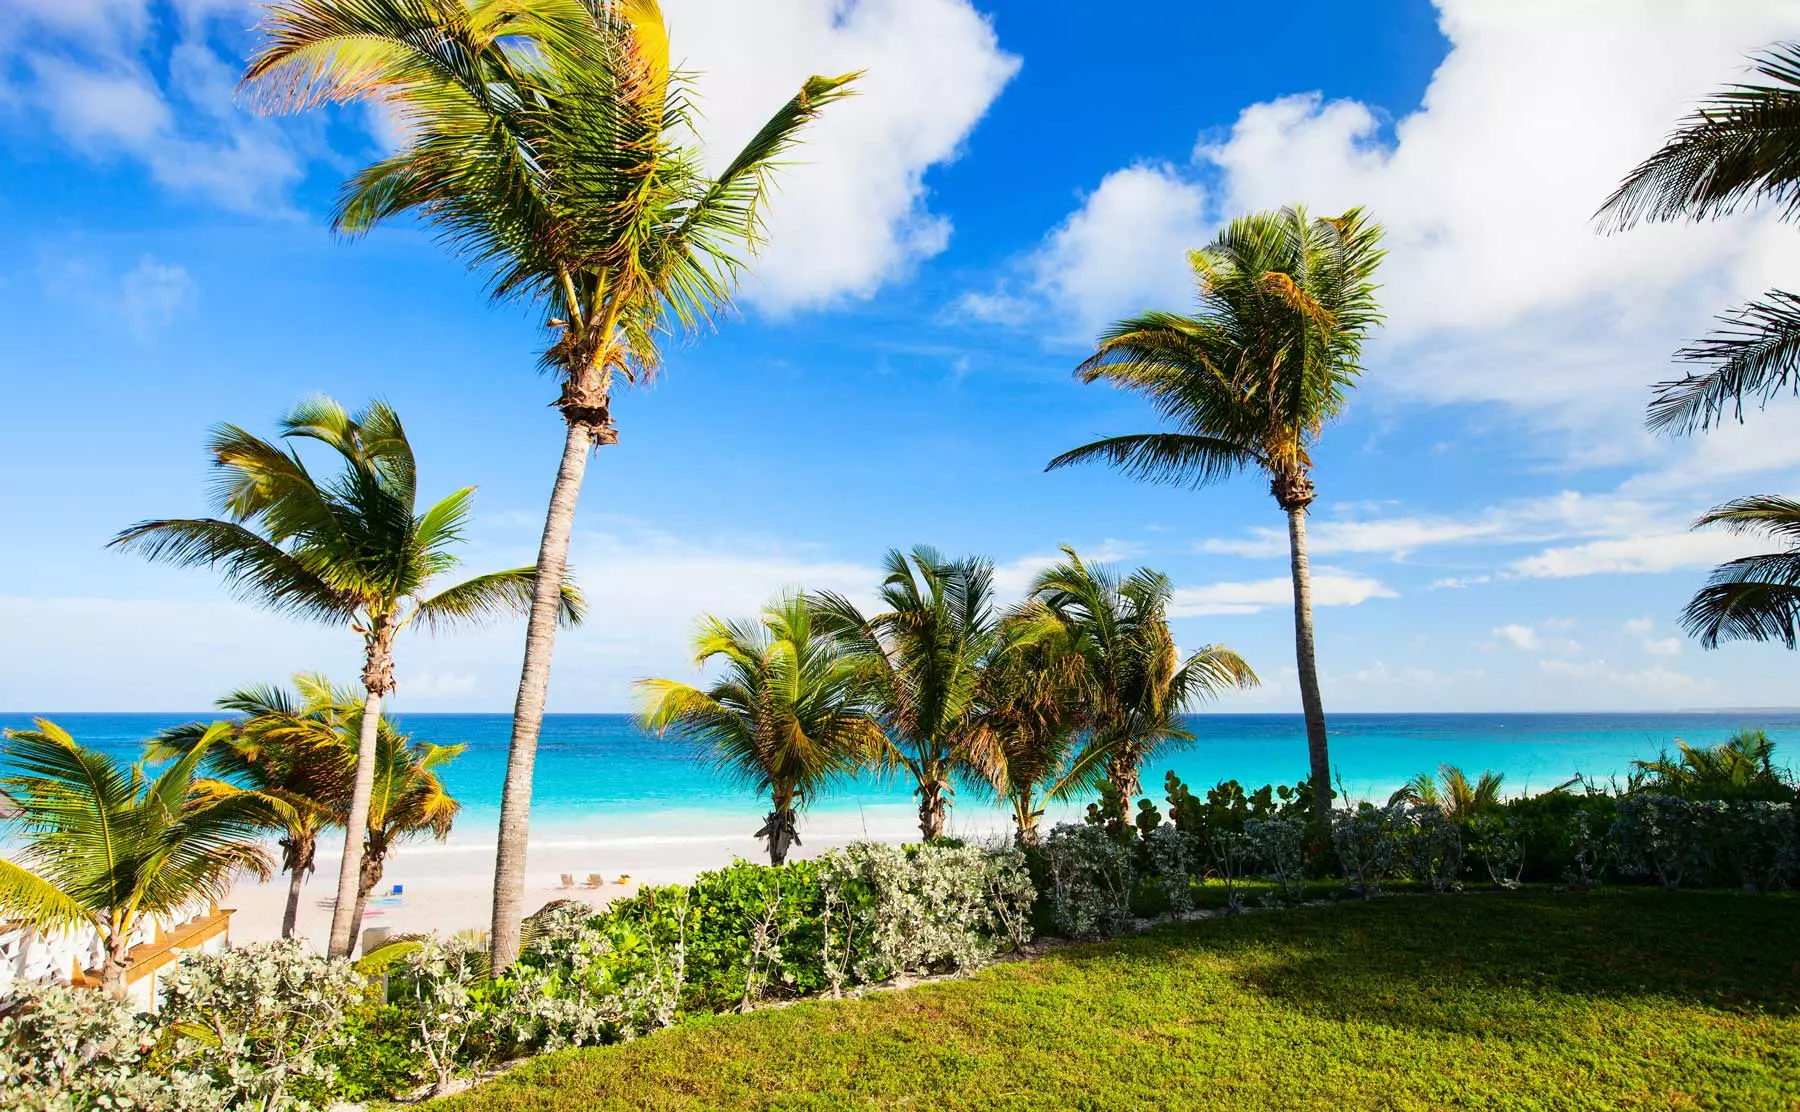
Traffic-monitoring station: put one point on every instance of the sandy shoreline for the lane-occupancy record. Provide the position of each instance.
(448, 887)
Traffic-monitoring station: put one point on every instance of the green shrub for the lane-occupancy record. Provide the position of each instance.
(71, 1050)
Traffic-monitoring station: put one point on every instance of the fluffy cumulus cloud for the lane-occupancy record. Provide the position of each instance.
(852, 211)
(1498, 287)
(1330, 587)
(154, 83)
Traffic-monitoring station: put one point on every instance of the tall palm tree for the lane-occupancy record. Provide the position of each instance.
(787, 716)
(1250, 382)
(1137, 684)
(294, 748)
(409, 802)
(102, 845)
(351, 551)
(553, 148)
(1738, 149)
(922, 658)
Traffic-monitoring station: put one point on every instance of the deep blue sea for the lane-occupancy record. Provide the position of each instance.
(600, 772)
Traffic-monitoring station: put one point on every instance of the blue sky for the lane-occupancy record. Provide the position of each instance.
(1494, 529)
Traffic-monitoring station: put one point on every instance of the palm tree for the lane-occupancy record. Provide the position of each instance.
(409, 802)
(1250, 382)
(1032, 711)
(923, 658)
(1743, 768)
(787, 716)
(295, 749)
(1753, 598)
(553, 148)
(103, 845)
(1738, 149)
(352, 551)
(1452, 791)
(1137, 685)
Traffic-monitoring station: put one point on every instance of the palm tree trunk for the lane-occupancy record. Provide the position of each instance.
(112, 971)
(367, 879)
(346, 915)
(534, 684)
(1308, 668)
(291, 915)
(1124, 773)
(931, 808)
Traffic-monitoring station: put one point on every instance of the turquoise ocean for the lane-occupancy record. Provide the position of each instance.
(598, 774)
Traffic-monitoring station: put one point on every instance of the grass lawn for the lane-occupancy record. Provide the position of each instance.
(1528, 1000)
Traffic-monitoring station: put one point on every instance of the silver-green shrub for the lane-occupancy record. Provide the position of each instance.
(933, 906)
(256, 1020)
(1090, 880)
(1278, 849)
(1174, 857)
(1496, 843)
(441, 976)
(73, 1050)
(1432, 847)
(1663, 836)
(1367, 840)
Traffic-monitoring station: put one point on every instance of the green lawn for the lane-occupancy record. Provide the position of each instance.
(1621, 999)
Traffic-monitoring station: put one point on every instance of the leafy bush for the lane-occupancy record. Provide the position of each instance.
(377, 1059)
(1494, 841)
(1174, 860)
(1690, 842)
(1431, 846)
(932, 906)
(70, 1050)
(1277, 846)
(1367, 841)
(259, 1020)
(1090, 880)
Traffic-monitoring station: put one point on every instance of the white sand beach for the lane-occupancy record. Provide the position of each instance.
(448, 887)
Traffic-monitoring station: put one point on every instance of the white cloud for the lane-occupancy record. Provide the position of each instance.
(94, 74)
(852, 210)
(1658, 682)
(1497, 286)
(1665, 646)
(1330, 587)
(1637, 627)
(1647, 553)
(1519, 636)
(153, 294)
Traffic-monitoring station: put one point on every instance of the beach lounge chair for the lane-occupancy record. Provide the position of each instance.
(594, 880)
(624, 878)
(568, 881)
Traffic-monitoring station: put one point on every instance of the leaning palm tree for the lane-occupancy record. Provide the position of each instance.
(296, 749)
(1738, 149)
(351, 551)
(1137, 685)
(102, 845)
(787, 716)
(553, 148)
(1250, 382)
(922, 657)
(409, 802)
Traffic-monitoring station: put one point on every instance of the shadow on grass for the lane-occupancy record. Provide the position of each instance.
(1495, 964)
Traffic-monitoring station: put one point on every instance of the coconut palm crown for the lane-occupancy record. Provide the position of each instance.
(104, 845)
(1135, 684)
(295, 748)
(922, 657)
(554, 149)
(350, 551)
(1249, 382)
(786, 716)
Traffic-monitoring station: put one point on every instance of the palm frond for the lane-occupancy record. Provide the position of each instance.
(1754, 354)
